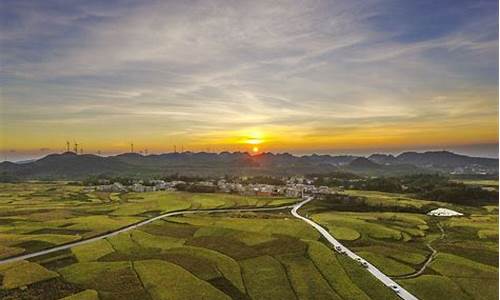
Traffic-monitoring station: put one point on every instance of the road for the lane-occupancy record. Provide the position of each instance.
(386, 280)
(401, 292)
(132, 227)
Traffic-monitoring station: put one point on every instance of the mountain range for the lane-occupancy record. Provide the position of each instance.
(71, 166)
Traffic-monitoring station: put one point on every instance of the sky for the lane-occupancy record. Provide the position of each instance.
(282, 76)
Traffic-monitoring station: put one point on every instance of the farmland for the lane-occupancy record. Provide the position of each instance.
(238, 255)
(465, 265)
(35, 216)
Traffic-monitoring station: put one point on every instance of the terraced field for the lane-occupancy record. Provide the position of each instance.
(240, 256)
(35, 216)
(245, 255)
(466, 264)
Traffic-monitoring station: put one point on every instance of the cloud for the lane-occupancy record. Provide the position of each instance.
(306, 68)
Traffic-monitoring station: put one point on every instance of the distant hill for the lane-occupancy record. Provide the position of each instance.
(383, 159)
(71, 166)
(445, 159)
(363, 163)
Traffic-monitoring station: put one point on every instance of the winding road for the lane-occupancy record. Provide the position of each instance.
(386, 280)
(401, 292)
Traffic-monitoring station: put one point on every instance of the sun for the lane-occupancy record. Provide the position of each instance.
(255, 149)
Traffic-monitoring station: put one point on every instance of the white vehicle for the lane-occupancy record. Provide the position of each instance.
(395, 288)
(358, 258)
(364, 264)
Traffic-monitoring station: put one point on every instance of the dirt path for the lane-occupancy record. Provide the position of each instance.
(429, 259)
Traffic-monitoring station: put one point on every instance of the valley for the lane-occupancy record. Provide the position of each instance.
(237, 254)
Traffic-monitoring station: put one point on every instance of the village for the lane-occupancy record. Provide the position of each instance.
(292, 187)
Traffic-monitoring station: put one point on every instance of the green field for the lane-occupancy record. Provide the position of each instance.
(396, 242)
(241, 257)
(247, 255)
(37, 215)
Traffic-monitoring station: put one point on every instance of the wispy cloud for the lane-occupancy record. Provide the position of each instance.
(301, 68)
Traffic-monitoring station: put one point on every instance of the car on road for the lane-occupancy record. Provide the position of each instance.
(338, 248)
(395, 288)
(365, 264)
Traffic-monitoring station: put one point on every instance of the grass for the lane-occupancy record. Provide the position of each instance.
(249, 238)
(266, 278)
(344, 233)
(112, 280)
(165, 280)
(282, 225)
(456, 277)
(23, 273)
(387, 265)
(101, 223)
(85, 295)
(453, 265)
(264, 255)
(10, 251)
(199, 266)
(307, 282)
(361, 222)
(172, 229)
(365, 281)
(433, 287)
(147, 240)
(227, 266)
(56, 213)
(409, 255)
(397, 242)
(381, 199)
(92, 251)
(332, 270)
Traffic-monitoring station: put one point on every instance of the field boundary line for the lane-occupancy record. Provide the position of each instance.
(428, 261)
(384, 279)
(134, 226)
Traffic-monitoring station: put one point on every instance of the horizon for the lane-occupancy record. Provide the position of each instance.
(340, 77)
(249, 152)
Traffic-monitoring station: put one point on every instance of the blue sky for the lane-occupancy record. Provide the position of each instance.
(306, 76)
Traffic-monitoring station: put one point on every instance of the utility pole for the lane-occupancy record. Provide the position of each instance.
(67, 146)
(131, 147)
(175, 149)
(75, 149)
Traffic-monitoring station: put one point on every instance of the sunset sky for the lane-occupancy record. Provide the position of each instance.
(302, 77)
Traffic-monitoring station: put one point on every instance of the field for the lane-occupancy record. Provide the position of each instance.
(246, 255)
(209, 257)
(466, 263)
(36, 215)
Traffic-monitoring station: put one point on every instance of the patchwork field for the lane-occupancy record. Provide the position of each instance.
(399, 244)
(247, 255)
(240, 256)
(35, 216)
